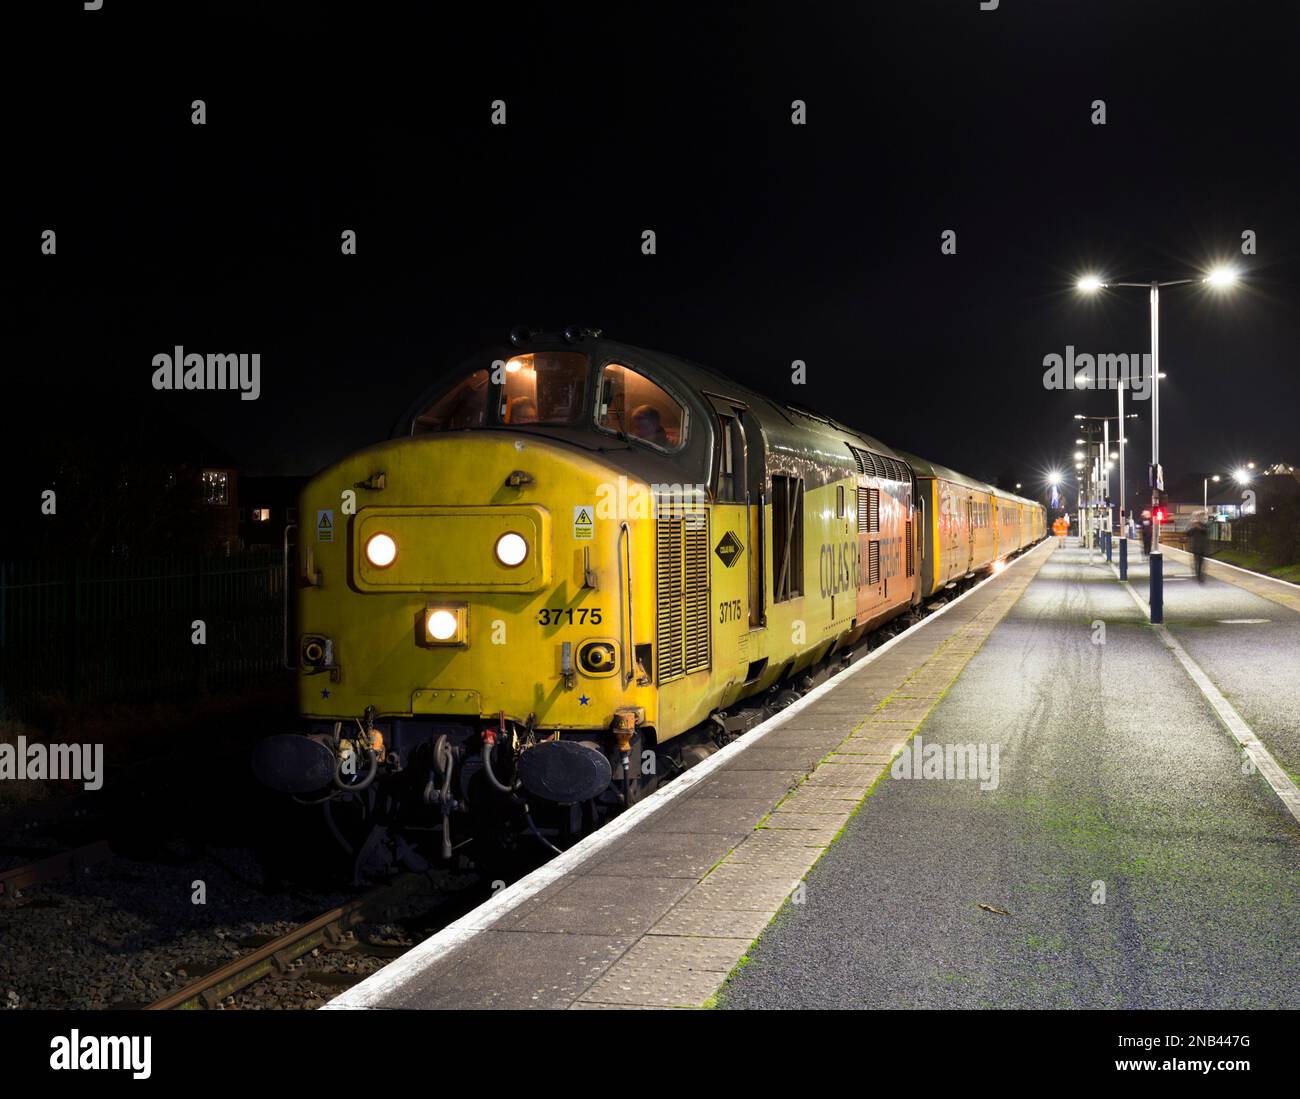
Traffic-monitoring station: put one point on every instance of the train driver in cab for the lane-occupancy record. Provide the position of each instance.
(648, 425)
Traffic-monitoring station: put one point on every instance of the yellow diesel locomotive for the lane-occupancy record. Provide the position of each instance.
(579, 567)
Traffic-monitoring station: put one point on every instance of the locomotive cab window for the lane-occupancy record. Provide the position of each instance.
(463, 406)
(547, 387)
(543, 387)
(633, 406)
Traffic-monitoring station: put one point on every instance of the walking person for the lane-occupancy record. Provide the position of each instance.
(1146, 532)
(1198, 538)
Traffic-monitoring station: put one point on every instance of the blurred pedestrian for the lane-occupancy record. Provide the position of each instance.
(1146, 532)
(1198, 538)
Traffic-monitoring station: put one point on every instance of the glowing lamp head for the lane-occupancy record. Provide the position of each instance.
(381, 550)
(1089, 284)
(1222, 276)
(511, 549)
(441, 624)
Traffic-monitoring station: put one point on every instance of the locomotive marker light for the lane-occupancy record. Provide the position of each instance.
(1220, 277)
(511, 549)
(381, 550)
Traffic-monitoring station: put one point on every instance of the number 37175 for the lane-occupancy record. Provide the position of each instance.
(561, 616)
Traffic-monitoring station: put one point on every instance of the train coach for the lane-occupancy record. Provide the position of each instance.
(577, 568)
(967, 527)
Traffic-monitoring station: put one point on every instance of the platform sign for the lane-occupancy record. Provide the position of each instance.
(325, 525)
(584, 523)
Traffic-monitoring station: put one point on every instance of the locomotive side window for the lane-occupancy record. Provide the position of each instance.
(547, 387)
(465, 405)
(631, 404)
(787, 538)
(730, 459)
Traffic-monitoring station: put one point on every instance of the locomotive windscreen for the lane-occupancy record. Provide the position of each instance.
(544, 387)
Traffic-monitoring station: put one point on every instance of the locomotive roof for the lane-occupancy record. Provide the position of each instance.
(799, 434)
(783, 421)
(923, 467)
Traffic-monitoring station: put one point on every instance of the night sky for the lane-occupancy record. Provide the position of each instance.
(775, 242)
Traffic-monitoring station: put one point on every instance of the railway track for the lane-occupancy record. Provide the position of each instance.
(59, 865)
(328, 930)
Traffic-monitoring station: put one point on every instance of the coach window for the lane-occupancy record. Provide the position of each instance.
(464, 405)
(633, 406)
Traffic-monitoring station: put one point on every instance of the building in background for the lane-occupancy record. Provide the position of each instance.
(267, 506)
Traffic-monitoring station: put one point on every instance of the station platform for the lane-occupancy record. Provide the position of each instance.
(1005, 806)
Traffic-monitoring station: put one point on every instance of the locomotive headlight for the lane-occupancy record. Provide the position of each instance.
(511, 549)
(381, 550)
(442, 624)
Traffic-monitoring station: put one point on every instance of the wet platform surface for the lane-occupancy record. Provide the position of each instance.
(1123, 849)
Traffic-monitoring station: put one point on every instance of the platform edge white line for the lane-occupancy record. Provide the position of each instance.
(1268, 767)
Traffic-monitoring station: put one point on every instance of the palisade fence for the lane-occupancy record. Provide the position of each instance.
(120, 631)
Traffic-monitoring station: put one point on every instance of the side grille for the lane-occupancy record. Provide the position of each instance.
(868, 511)
(682, 596)
(696, 597)
(668, 586)
(871, 464)
(911, 567)
(873, 562)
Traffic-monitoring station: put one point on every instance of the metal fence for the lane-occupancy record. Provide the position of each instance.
(109, 631)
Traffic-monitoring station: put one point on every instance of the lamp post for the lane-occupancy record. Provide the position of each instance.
(1205, 492)
(1241, 475)
(1219, 277)
(1103, 467)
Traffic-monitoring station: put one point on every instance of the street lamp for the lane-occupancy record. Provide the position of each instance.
(1104, 466)
(1219, 277)
(1205, 492)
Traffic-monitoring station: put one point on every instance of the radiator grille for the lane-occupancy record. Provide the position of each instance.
(696, 598)
(863, 507)
(873, 511)
(911, 567)
(873, 562)
(682, 596)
